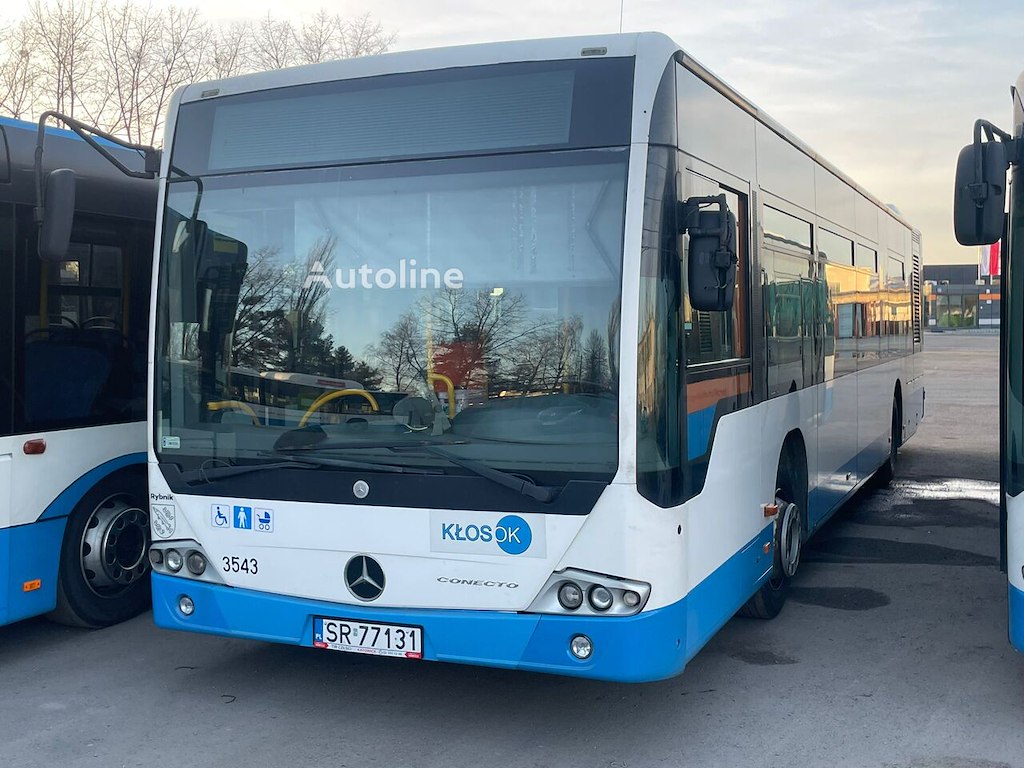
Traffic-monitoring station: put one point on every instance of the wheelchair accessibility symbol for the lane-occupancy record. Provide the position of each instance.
(220, 516)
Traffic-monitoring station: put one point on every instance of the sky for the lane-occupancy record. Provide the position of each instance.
(887, 90)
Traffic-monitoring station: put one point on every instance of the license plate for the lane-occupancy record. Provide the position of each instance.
(368, 637)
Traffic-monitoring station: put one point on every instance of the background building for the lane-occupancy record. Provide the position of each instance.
(956, 297)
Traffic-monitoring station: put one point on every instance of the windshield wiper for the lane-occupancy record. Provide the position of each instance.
(517, 483)
(202, 475)
(207, 475)
(373, 466)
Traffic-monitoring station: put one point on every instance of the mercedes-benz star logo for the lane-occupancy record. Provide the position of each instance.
(364, 578)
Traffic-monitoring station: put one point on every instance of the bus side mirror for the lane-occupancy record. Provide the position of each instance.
(711, 259)
(57, 215)
(979, 198)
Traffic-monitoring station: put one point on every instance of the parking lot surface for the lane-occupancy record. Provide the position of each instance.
(892, 652)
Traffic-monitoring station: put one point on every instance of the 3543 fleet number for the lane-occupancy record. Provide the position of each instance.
(240, 565)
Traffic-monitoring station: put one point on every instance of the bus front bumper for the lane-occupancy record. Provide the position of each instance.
(648, 646)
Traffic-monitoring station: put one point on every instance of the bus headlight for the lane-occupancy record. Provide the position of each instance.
(196, 563)
(173, 560)
(600, 598)
(584, 593)
(570, 596)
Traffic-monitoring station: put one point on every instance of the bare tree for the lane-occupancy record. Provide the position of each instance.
(260, 306)
(272, 44)
(117, 63)
(20, 73)
(363, 36)
(64, 34)
(317, 40)
(128, 37)
(401, 353)
(180, 58)
(230, 45)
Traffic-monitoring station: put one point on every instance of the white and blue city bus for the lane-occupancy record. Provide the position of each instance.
(980, 219)
(74, 523)
(624, 343)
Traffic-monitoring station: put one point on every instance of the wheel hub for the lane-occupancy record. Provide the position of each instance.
(114, 545)
(788, 537)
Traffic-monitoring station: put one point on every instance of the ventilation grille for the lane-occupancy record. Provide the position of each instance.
(707, 344)
(915, 286)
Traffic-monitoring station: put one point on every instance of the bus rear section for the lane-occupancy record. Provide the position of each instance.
(74, 524)
(432, 379)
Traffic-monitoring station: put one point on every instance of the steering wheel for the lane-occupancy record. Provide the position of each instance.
(328, 397)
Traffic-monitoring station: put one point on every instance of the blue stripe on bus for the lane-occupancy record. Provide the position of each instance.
(53, 130)
(1016, 601)
(70, 496)
(652, 645)
(698, 431)
(29, 553)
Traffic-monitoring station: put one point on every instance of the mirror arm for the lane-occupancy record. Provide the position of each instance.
(1015, 154)
(150, 155)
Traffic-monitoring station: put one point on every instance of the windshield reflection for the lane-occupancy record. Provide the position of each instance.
(472, 298)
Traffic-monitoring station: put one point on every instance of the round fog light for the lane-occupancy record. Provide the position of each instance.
(156, 556)
(196, 563)
(174, 560)
(570, 596)
(600, 598)
(631, 598)
(186, 606)
(581, 647)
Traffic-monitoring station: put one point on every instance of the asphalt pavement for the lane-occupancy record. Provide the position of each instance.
(892, 653)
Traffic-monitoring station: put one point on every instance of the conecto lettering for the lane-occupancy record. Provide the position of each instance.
(478, 582)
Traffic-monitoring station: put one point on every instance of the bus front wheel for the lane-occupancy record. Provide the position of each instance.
(103, 575)
(787, 540)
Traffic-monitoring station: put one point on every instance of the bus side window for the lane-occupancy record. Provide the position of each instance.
(79, 315)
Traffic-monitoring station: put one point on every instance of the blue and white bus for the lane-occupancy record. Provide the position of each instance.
(980, 219)
(624, 342)
(74, 519)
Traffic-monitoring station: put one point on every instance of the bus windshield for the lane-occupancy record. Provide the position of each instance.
(474, 301)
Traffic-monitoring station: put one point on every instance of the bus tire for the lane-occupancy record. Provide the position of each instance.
(888, 470)
(790, 495)
(103, 574)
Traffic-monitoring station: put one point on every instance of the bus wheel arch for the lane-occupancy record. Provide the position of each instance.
(791, 521)
(103, 572)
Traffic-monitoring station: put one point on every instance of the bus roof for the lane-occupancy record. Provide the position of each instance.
(653, 51)
(101, 188)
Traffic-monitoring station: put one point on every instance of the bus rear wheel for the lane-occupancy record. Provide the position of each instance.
(888, 470)
(787, 544)
(103, 576)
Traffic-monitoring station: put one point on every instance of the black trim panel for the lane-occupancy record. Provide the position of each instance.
(334, 486)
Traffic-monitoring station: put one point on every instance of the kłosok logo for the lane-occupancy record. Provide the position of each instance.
(512, 534)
